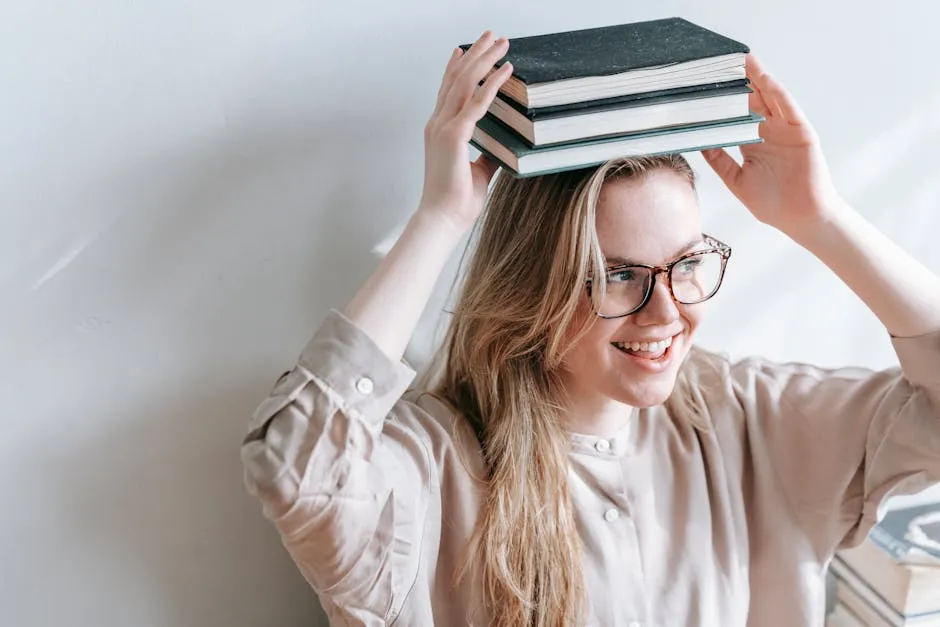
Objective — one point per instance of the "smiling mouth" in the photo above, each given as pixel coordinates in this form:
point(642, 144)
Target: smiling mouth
point(653, 351)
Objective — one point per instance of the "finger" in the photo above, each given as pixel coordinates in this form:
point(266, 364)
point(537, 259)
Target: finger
point(753, 68)
point(478, 49)
point(454, 65)
point(448, 77)
point(724, 166)
point(755, 102)
point(756, 72)
point(778, 100)
point(481, 100)
point(471, 74)
point(782, 100)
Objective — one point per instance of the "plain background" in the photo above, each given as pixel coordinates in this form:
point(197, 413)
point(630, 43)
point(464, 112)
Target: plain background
point(186, 188)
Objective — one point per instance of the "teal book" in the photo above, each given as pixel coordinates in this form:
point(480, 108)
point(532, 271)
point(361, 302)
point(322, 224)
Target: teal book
point(514, 154)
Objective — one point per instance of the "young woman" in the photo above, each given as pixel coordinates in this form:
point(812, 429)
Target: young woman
point(579, 461)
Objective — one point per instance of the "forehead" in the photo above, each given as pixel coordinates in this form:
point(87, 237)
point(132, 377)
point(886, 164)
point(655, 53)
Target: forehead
point(647, 219)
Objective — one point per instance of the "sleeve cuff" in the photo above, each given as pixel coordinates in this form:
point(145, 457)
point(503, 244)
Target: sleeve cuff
point(919, 357)
point(353, 367)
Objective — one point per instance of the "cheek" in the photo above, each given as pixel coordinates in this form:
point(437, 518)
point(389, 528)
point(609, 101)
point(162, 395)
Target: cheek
point(693, 315)
point(585, 352)
point(586, 348)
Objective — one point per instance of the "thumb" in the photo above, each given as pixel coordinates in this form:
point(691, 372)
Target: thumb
point(487, 165)
point(483, 170)
point(724, 166)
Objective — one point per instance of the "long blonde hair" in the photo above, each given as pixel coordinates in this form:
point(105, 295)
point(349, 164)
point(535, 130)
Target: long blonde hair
point(501, 371)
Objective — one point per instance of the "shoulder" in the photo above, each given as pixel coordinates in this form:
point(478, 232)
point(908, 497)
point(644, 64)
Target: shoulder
point(742, 381)
point(731, 390)
point(449, 435)
point(768, 397)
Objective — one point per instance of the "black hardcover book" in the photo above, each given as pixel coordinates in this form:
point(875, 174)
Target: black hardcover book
point(574, 66)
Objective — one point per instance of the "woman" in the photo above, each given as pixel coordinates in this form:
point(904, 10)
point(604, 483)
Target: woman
point(579, 461)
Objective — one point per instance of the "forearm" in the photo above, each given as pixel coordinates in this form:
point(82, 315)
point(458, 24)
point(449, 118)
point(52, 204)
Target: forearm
point(900, 291)
point(387, 307)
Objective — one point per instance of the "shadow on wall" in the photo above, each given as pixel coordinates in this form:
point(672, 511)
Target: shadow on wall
point(161, 492)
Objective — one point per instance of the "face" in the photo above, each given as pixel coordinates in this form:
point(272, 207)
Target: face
point(650, 220)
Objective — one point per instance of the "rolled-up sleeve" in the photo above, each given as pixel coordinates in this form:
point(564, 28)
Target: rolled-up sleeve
point(345, 483)
point(838, 442)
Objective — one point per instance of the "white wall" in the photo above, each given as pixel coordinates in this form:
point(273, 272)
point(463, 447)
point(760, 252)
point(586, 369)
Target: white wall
point(186, 188)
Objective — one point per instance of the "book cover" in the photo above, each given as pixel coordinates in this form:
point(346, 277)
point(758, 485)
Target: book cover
point(615, 49)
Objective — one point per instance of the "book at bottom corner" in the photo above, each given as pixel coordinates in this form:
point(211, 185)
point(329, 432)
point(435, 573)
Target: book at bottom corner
point(893, 577)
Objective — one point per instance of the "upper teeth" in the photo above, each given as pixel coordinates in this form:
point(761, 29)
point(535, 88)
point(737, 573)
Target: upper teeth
point(648, 347)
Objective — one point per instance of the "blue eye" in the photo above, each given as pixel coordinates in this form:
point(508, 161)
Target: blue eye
point(689, 266)
point(622, 276)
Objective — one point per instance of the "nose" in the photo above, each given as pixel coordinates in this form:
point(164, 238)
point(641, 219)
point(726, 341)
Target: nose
point(661, 309)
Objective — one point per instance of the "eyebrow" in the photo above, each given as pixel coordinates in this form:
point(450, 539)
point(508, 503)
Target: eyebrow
point(625, 261)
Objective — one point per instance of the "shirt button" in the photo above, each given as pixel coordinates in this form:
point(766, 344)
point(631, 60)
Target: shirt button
point(611, 515)
point(602, 445)
point(365, 385)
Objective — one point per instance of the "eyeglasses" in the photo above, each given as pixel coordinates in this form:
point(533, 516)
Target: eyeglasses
point(692, 278)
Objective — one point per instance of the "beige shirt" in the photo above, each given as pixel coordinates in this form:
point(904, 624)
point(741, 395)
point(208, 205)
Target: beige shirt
point(733, 526)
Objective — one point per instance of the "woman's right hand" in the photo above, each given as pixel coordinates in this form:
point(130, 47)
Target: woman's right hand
point(454, 186)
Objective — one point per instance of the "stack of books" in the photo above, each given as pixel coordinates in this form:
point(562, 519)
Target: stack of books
point(893, 578)
point(580, 98)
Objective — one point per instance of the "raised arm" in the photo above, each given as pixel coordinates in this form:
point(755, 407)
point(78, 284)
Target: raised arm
point(454, 195)
point(838, 441)
point(785, 183)
point(352, 492)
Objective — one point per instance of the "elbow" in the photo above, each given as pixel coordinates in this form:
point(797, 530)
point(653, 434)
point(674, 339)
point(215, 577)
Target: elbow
point(268, 477)
point(276, 446)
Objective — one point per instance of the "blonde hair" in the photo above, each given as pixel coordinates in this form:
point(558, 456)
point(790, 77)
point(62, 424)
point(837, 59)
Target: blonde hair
point(501, 371)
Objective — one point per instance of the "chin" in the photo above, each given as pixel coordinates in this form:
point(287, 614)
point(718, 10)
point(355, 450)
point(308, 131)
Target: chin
point(649, 390)
point(651, 395)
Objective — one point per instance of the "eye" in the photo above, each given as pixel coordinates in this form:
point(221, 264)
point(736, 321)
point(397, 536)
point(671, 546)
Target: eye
point(689, 266)
point(624, 275)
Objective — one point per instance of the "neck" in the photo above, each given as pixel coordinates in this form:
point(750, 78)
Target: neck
point(597, 416)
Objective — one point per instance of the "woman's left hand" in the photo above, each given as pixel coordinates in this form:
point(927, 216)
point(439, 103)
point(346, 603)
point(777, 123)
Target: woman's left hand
point(784, 180)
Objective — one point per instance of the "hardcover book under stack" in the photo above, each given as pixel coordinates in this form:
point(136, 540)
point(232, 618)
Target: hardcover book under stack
point(893, 578)
point(580, 98)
